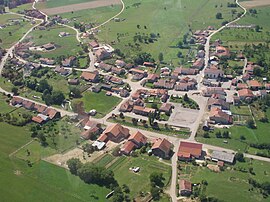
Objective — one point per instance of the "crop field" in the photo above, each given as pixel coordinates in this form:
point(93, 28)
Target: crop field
point(59, 3)
point(255, 3)
point(170, 19)
point(77, 7)
point(64, 45)
point(12, 32)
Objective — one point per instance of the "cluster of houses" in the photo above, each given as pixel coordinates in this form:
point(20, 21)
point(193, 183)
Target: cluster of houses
point(44, 113)
point(137, 105)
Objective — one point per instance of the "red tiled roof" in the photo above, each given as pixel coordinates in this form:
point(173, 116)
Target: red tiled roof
point(162, 144)
point(188, 149)
point(128, 147)
point(138, 137)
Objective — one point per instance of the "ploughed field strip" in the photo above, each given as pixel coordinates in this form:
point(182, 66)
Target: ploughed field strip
point(255, 3)
point(81, 6)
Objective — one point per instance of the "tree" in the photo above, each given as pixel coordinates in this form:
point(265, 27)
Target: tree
point(75, 92)
point(180, 44)
point(155, 193)
point(251, 124)
point(121, 115)
point(57, 97)
point(134, 121)
point(218, 134)
point(219, 16)
point(118, 195)
point(239, 157)
point(125, 188)
point(14, 90)
point(160, 57)
point(186, 98)
point(157, 179)
point(257, 28)
point(179, 54)
point(225, 134)
point(154, 105)
point(74, 164)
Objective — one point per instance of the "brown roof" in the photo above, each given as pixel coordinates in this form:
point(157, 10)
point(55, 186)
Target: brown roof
point(162, 144)
point(189, 149)
point(245, 93)
point(138, 137)
point(89, 75)
point(185, 185)
point(40, 108)
point(116, 129)
point(166, 107)
point(37, 119)
point(103, 138)
point(254, 83)
point(128, 147)
point(50, 112)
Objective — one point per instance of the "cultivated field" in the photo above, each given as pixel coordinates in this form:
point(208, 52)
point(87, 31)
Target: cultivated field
point(80, 6)
point(255, 3)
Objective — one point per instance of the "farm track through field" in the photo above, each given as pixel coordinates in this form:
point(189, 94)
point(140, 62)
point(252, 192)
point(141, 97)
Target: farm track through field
point(81, 6)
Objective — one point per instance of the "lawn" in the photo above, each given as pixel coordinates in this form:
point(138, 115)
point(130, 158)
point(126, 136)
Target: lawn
point(22, 8)
point(242, 110)
point(190, 103)
point(98, 101)
point(20, 182)
point(66, 46)
point(147, 166)
point(170, 19)
point(4, 106)
point(11, 34)
point(222, 185)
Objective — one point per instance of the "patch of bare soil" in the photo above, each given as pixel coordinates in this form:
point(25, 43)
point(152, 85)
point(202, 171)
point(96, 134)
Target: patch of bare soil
point(255, 3)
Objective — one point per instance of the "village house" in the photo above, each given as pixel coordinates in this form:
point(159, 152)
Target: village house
point(90, 76)
point(40, 108)
point(241, 86)
point(152, 78)
point(91, 128)
point(185, 71)
point(113, 80)
point(115, 133)
point(246, 77)
point(135, 141)
point(189, 150)
point(93, 44)
point(222, 51)
point(161, 148)
point(126, 106)
point(167, 108)
point(117, 70)
point(245, 95)
point(120, 63)
point(28, 104)
point(137, 73)
point(267, 86)
point(164, 83)
point(220, 117)
point(102, 54)
point(254, 84)
point(213, 73)
point(144, 111)
point(217, 103)
point(69, 62)
point(62, 71)
point(16, 101)
point(149, 64)
point(52, 113)
point(185, 188)
point(209, 91)
point(198, 64)
point(63, 34)
point(47, 61)
point(105, 67)
point(48, 46)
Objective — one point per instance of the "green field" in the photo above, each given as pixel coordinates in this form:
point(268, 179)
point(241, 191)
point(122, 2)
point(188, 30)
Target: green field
point(98, 101)
point(238, 37)
point(58, 3)
point(11, 34)
point(4, 106)
point(232, 185)
point(170, 19)
point(242, 110)
point(94, 16)
point(22, 8)
point(42, 181)
point(66, 46)
point(147, 164)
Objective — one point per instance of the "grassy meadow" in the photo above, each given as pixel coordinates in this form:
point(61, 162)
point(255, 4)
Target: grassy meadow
point(12, 33)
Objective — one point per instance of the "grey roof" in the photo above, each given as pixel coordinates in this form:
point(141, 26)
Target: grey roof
point(223, 156)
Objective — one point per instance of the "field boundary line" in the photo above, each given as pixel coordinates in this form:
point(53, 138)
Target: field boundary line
point(17, 150)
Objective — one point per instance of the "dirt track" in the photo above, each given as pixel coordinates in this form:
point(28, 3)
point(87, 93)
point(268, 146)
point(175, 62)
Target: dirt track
point(255, 3)
point(81, 6)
